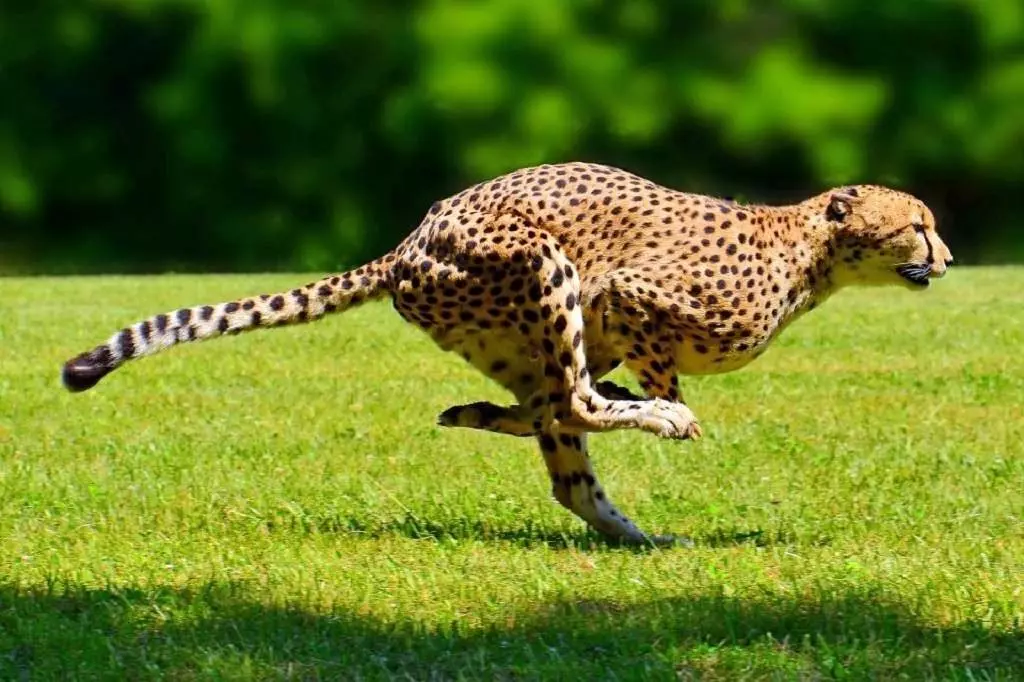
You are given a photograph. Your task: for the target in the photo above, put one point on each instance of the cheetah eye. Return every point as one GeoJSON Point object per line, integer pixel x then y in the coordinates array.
{"type": "Point", "coordinates": [918, 227]}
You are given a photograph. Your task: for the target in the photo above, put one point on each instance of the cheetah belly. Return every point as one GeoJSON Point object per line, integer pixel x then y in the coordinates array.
{"type": "Point", "coordinates": [502, 355]}
{"type": "Point", "coordinates": [689, 361]}
{"type": "Point", "coordinates": [719, 356]}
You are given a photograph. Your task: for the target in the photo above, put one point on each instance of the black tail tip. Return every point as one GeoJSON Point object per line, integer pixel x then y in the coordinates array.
{"type": "Point", "coordinates": [83, 372]}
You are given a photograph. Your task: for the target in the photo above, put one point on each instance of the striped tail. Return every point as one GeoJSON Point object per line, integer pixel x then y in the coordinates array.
{"type": "Point", "coordinates": [334, 293]}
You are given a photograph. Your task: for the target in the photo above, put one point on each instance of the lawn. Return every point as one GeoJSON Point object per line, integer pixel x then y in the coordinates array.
{"type": "Point", "coordinates": [282, 505]}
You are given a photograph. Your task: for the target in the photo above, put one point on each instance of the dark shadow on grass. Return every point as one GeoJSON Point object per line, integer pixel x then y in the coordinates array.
{"type": "Point", "coordinates": [77, 633]}
{"type": "Point", "coordinates": [419, 527]}
{"type": "Point", "coordinates": [732, 537]}
{"type": "Point", "coordinates": [527, 535]}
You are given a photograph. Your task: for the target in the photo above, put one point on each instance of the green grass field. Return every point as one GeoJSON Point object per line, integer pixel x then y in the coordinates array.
{"type": "Point", "coordinates": [281, 504]}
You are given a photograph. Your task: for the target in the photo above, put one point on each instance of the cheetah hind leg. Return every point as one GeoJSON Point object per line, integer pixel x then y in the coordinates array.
{"type": "Point", "coordinates": [573, 481]}
{"type": "Point", "coordinates": [515, 420]}
{"type": "Point", "coordinates": [575, 486]}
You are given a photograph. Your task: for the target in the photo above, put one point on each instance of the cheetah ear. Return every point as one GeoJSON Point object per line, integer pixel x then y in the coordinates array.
{"type": "Point", "coordinates": [841, 204]}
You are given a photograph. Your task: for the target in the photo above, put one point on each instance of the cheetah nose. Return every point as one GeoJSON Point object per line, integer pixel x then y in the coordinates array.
{"type": "Point", "coordinates": [949, 261]}
{"type": "Point", "coordinates": [939, 270]}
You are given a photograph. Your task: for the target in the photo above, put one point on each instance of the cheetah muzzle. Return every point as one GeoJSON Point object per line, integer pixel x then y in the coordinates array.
{"type": "Point", "coordinates": [548, 278]}
{"type": "Point", "coordinates": [915, 273]}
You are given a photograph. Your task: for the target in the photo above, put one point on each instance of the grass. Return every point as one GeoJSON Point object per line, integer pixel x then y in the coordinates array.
{"type": "Point", "coordinates": [281, 505]}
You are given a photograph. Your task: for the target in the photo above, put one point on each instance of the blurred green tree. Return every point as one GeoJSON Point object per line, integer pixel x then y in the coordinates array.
{"type": "Point", "coordinates": [141, 135]}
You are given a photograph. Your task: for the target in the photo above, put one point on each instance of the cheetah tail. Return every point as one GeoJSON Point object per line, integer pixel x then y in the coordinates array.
{"type": "Point", "coordinates": [332, 294]}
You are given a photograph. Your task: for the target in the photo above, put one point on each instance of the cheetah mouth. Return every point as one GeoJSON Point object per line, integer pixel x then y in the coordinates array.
{"type": "Point", "coordinates": [915, 273]}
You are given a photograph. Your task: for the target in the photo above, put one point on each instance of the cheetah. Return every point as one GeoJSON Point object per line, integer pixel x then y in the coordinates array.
{"type": "Point", "coordinates": [547, 278]}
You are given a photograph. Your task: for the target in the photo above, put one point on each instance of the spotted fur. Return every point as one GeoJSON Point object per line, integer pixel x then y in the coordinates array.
{"type": "Point", "coordinates": [548, 278]}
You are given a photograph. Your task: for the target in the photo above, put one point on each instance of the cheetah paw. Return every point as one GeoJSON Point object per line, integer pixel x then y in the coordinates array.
{"type": "Point", "coordinates": [669, 420]}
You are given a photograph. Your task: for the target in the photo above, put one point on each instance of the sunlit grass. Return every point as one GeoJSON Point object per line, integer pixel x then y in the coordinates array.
{"type": "Point", "coordinates": [281, 504]}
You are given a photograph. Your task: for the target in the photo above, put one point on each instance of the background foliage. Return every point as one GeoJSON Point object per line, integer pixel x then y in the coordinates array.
{"type": "Point", "coordinates": [140, 135]}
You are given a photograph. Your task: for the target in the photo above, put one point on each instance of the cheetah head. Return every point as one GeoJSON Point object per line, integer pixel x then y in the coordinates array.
{"type": "Point", "coordinates": [883, 236]}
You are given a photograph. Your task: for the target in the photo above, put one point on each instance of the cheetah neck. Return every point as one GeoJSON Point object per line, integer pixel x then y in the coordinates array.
{"type": "Point", "coordinates": [800, 255]}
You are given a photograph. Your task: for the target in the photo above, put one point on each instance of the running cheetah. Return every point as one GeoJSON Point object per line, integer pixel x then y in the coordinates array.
{"type": "Point", "coordinates": [547, 278]}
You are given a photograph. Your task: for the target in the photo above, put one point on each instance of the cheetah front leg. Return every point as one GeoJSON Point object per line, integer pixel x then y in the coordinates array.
{"type": "Point", "coordinates": [653, 362]}
{"type": "Point", "coordinates": [644, 320]}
